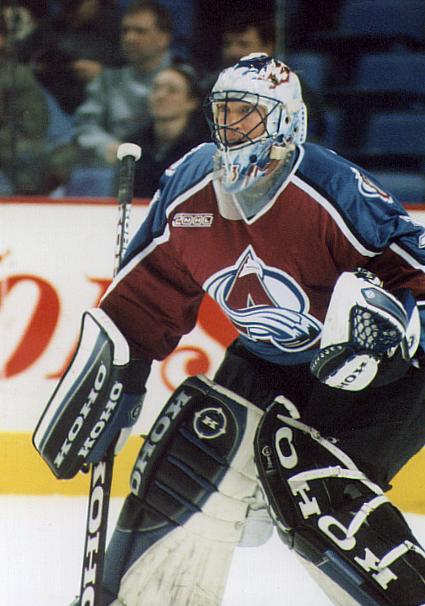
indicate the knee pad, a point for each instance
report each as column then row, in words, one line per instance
column 334, row 516
column 192, row 484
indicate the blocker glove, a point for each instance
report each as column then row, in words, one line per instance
column 97, row 401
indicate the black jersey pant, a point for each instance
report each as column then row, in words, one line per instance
column 380, row 428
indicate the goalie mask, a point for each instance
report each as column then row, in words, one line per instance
column 256, row 114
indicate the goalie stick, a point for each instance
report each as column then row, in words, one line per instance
column 101, row 476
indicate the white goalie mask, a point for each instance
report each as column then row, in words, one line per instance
column 256, row 114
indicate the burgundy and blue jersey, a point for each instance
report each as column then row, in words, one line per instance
column 272, row 276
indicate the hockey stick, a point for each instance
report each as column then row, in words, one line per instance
column 101, row 476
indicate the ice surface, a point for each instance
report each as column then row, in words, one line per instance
column 41, row 546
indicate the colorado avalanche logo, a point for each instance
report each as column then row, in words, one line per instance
column 264, row 303
column 369, row 189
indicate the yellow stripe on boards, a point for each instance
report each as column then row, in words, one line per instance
column 408, row 491
column 23, row 472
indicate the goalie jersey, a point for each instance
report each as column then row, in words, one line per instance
column 272, row 276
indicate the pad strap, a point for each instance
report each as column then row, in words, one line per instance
column 192, row 485
column 334, row 516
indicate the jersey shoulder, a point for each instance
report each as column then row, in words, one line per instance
column 188, row 174
column 182, row 180
column 339, row 180
column 351, row 194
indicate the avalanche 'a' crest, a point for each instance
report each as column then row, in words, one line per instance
column 264, row 303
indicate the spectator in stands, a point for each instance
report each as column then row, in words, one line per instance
column 35, row 136
column 116, row 101
column 23, row 123
column 20, row 19
column 70, row 49
column 239, row 38
column 176, row 126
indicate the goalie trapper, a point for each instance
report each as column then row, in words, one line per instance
column 366, row 330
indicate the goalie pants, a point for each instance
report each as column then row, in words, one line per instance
column 380, row 428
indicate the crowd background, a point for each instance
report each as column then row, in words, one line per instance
column 78, row 77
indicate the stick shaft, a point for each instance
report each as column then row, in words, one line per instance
column 125, row 197
column 102, row 472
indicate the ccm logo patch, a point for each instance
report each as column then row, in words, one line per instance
column 193, row 220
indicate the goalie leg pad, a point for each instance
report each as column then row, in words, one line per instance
column 192, row 484
column 334, row 516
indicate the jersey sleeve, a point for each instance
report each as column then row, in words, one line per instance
column 382, row 225
column 154, row 299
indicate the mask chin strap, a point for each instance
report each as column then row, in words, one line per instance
column 282, row 152
column 297, row 111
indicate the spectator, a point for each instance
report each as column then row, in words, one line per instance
column 117, row 99
column 212, row 18
column 23, row 123
column 20, row 19
column 70, row 49
column 176, row 126
column 239, row 38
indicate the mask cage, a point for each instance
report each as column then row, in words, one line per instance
column 258, row 103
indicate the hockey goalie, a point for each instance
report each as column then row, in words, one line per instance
column 316, row 405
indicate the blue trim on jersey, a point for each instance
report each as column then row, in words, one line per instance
column 271, row 353
column 375, row 222
column 333, row 178
column 183, row 176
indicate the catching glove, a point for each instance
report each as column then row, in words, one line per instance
column 366, row 328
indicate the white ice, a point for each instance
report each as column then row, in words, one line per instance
column 41, row 546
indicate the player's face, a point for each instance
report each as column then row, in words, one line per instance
column 141, row 39
column 241, row 121
column 170, row 96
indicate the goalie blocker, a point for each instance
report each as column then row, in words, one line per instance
column 100, row 394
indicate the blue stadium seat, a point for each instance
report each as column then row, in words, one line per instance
column 312, row 68
column 6, row 187
column 396, row 134
column 386, row 19
column 60, row 127
column 184, row 26
column 91, row 183
column 405, row 186
column 334, row 132
column 391, row 72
